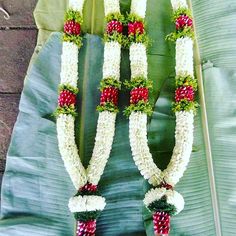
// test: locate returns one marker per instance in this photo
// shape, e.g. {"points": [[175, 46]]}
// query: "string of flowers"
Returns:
{"points": [[87, 204], [162, 200]]}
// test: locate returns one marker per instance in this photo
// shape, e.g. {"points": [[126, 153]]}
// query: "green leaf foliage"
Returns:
{"points": [[141, 106], [88, 215]]}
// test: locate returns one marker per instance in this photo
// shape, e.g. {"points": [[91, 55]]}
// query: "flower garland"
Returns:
{"points": [[87, 204], [163, 201]]}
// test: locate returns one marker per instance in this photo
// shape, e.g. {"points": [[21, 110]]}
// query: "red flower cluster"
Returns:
{"points": [[138, 94], [109, 95], [72, 27], [89, 188], [135, 27], [114, 26], [66, 98], [183, 21], [87, 228], [184, 92], [161, 221]]}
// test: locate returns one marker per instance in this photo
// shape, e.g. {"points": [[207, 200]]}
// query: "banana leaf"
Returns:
{"points": [[36, 187]]}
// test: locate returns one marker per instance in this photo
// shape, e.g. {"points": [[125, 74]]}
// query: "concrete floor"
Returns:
{"points": [[17, 43]]}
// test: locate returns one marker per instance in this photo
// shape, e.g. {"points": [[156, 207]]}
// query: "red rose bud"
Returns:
{"points": [[183, 21], [109, 95], [184, 92], [72, 27], [135, 27], [138, 94], [161, 222], [86, 228], [114, 26], [66, 98], [89, 187]]}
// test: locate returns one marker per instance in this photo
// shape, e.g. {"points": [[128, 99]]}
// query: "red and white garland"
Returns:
{"points": [[163, 201], [87, 204]]}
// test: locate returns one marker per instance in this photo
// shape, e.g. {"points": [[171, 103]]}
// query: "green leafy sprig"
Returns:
{"points": [[186, 81], [65, 110], [108, 106], [116, 16], [68, 87], [162, 206], [76, 39], [109, 82], [74, 15], [181, 11], [138, 82], [185, 105], [87, 215], [141, 106]]}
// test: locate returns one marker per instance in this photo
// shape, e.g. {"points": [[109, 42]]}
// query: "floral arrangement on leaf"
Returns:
{"points": [[162, 200], [87, 204]]}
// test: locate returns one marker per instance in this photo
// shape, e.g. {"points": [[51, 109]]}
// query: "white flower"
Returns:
{"points": [[111, 65], [138, 60], [102, 147], [139, 7], [111, 6], [176, 199], [76, 5], [140, 150], [86, 203], [153, 195], [69, 64], [179, 4], [184, 56], [68, 150]]}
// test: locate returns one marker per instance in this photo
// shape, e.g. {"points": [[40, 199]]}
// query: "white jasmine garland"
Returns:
{"points": [[139, 7], [111, 6], [184, 56], [105, 125], [111, 65], [86, 203], [138, 60], [154, 194], [179, 4]]}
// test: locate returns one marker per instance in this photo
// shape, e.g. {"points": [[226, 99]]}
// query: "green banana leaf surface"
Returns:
{"points": [[36, 187]]}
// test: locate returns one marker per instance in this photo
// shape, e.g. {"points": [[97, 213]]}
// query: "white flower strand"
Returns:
{"points": [[179, 4], [69, 151], [140, 150], [138, 60], [184, 56], [112, 55], [102, 147], [183, 147], [86, 203], [139, 7], [69, 64], [77, 5], [111, 6]]}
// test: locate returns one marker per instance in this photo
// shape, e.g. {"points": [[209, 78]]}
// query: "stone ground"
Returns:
{"points": [[17, 42]]}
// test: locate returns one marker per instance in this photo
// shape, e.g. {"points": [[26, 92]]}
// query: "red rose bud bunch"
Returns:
{"points": [[114, 26], [109, 94], [138, 94], [184, 92], [88, 188], [135, 28], [86, 228], [66, 98], [72, 28], [183, 21], [161, 221]]}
